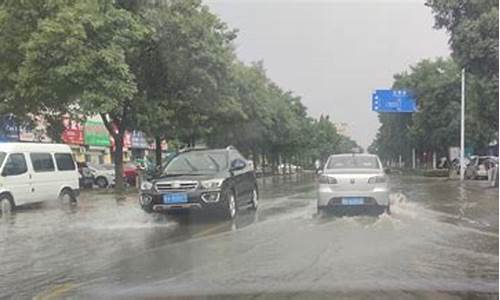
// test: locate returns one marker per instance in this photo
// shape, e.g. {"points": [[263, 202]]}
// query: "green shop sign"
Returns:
{"points": [[96, 134]]}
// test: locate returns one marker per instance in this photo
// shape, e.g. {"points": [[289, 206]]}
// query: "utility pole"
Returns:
{"points": [[462, 129], [413, 158]]}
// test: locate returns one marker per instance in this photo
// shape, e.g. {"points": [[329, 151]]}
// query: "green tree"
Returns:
{"points": [[183, 71], [78, 58], [473, 29]]}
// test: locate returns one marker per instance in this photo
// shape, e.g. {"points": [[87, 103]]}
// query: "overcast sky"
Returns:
{"points": [[334, 53]]}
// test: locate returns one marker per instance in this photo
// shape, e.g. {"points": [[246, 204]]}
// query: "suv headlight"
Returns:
{"points": [[146, 186], [212, 183]]}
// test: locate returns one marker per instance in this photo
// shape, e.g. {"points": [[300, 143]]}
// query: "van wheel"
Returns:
{"points": [[67, 197], [101, 182], [6, 205]]}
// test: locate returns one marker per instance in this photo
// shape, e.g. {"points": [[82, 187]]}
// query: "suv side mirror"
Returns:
{"points": [[237, 165]]}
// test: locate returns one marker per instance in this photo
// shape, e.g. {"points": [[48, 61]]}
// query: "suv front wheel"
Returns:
{"points": [[230, 207]]}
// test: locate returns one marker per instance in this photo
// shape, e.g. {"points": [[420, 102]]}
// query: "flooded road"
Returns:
{"points": [[440, 242]]}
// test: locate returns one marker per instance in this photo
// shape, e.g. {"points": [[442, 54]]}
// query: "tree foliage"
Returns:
{"points": [[165, 67], [473, 30], [436, 125]]}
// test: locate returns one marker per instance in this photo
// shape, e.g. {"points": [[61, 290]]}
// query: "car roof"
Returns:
{"points": [[354, 154], [34, 147], [206, 150]]}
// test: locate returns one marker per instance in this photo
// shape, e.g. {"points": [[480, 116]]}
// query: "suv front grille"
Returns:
{"points": [[176, 186]]}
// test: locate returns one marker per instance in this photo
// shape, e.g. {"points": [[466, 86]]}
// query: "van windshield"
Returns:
{"points": [[2, 157]]}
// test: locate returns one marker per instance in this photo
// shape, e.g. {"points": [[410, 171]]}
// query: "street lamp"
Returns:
{"points": [[462, 124], [462, 128]]}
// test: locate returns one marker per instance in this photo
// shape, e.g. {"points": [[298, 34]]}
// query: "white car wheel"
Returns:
{"points": [[102, 182], [5, 205]]}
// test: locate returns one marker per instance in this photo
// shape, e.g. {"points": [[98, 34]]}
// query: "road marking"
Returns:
{"points": [[55, 292], [208, 230]]}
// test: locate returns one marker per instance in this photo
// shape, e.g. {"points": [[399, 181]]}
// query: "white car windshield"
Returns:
{"points": [[353, 162]]}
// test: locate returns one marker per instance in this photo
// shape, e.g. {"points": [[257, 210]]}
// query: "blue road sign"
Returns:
{"points": [[399, 101]]}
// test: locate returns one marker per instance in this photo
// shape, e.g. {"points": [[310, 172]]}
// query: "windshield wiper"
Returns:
{"points": [[214, 161], [190, 165]]}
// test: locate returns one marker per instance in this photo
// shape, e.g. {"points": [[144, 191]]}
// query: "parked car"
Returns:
{"points": [[32, 172], [263, 170], [479, 165], [130, 173], [86, 178], [104, 175], [204, 180], [288, 169], [353, 183]]}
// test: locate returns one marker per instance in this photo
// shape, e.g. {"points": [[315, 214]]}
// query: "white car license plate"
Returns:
{"points": [[353, 201]]}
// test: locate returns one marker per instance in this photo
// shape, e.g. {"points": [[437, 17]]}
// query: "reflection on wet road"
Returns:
{"points": [[440, 240]]}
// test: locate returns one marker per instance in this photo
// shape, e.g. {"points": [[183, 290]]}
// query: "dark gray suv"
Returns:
{"points": [[217, 179]]}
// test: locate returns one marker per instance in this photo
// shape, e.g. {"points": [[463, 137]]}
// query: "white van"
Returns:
{"points": [[31, 172]]}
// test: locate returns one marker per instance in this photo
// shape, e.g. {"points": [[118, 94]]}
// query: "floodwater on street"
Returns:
{"points": [[441, 241]]}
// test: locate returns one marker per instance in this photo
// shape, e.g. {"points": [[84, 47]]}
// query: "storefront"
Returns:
{"points": [[9, 131], [139, 145], [97, 142], [73, 136]]}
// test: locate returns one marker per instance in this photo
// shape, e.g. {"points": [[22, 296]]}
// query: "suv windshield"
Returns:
{"points": [[197, 162], [353, 162]]}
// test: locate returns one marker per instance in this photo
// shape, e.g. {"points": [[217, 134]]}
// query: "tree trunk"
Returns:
{"points": [[255, 158], [118, 157], [119, 164], [158, 152], [290, 164]]}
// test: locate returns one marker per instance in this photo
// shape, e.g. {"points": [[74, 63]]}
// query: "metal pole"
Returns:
{"points": [[462, 129], [413, 158]]}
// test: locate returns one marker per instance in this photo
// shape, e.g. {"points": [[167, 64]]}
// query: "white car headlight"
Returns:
{"points": [[212, 183], [146, 185]]}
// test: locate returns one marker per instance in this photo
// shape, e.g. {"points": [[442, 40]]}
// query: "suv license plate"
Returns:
{"points": [[174, 198]]}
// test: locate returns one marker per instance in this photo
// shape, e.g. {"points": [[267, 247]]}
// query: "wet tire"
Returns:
{"points": [[67, 196], [320, 212], [255, 198], [230, 206], [101, 182], [147, 208], [6, 205]]}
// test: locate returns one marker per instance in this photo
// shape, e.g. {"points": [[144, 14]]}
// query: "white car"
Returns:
{"points": [[353, 183], [287, 169], [104, 175], [32, 172]]}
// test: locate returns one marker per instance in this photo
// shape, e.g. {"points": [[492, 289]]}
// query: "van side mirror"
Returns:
{"points": [[237, 165]]}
